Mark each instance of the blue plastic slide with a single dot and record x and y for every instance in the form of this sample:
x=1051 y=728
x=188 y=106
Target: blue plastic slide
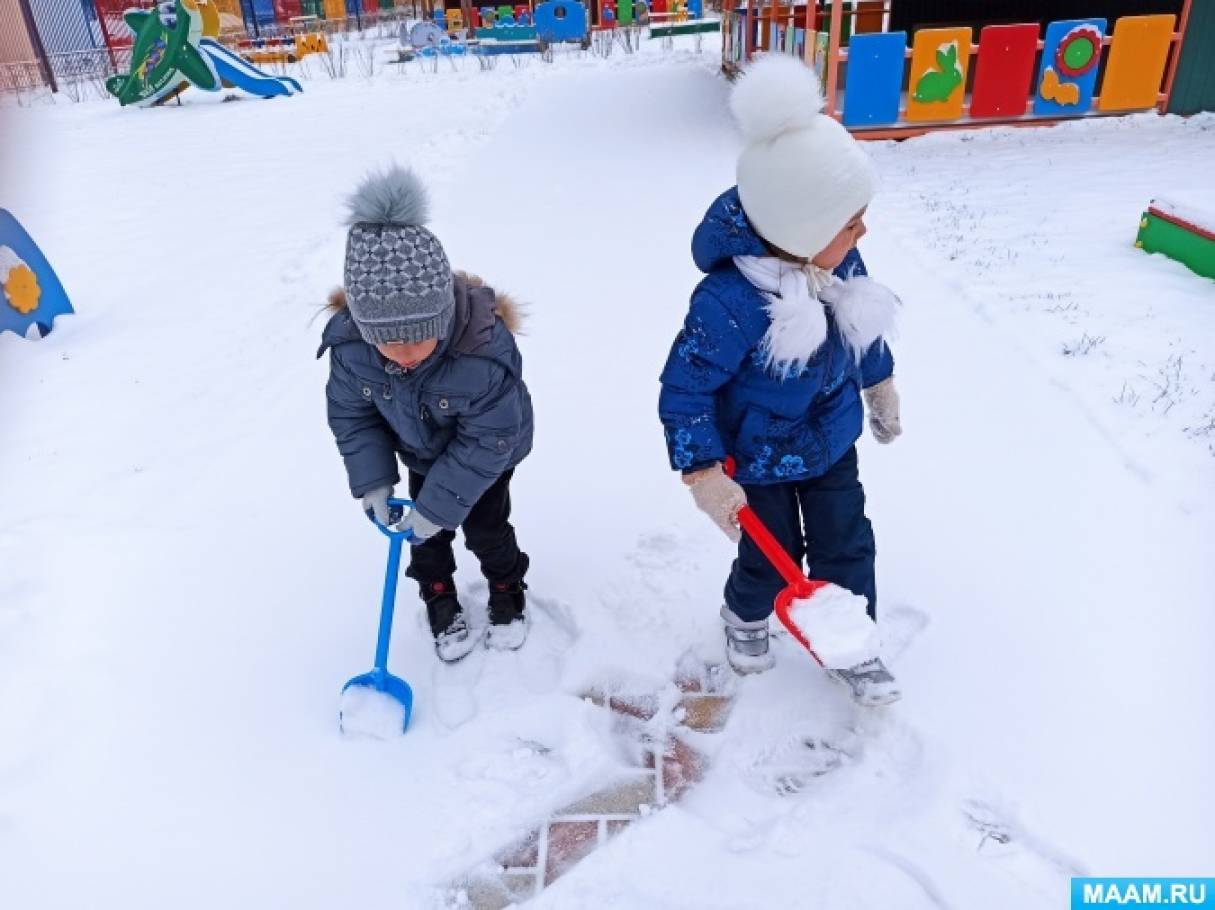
x=243 y=75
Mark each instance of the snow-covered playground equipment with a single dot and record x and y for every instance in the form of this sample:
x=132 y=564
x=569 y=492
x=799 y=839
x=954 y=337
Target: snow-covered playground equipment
x=1181 y=233
x=30 y=292
x=175 y=48
x=1019 y=73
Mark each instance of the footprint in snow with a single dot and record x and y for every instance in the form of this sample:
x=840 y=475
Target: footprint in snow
x=900 y=625
x=998 y=837
x=453 y=689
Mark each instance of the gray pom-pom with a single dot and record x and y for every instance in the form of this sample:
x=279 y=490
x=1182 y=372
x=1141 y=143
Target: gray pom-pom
x=395 y=196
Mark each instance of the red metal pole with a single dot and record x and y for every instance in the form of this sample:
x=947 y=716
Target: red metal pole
x=1163 y=106
x=105 y=33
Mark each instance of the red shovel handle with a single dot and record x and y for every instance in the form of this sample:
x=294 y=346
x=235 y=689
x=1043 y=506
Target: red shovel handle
x=770 y=546
x=790 y=571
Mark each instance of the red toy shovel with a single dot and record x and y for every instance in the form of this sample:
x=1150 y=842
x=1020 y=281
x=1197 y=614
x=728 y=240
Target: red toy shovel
x=797 y=585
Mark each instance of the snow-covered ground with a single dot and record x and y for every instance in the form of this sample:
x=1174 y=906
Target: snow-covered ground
x=185 y=583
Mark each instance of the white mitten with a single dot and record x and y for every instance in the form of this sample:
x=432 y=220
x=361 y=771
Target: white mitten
x=719 y=497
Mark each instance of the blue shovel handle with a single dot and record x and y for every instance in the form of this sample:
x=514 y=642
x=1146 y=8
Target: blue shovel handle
x=396 y=509
x=379 y=678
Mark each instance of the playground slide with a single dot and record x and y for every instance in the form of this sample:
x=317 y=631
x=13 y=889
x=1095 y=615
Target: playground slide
x=240 y=73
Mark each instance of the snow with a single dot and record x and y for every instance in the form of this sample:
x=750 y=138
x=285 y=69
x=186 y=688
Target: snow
x=834 y=621
x=365 y=711
x=1195 y=215
x=171 y=648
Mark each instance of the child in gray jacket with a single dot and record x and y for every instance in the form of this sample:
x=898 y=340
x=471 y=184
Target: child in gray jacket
x=423 y=366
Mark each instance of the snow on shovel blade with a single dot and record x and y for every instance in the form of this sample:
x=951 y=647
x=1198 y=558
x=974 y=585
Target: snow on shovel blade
x=375 y=704
x=834 y=619
x=829 y=621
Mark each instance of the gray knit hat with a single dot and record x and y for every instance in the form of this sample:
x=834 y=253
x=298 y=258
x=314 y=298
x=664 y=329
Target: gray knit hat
x=398 y=280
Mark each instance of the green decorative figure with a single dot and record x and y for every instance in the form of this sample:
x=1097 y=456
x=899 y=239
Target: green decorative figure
x=164 y=56
x=939 y=84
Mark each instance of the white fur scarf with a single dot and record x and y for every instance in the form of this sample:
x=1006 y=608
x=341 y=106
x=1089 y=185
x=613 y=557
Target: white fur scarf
x=864 y=310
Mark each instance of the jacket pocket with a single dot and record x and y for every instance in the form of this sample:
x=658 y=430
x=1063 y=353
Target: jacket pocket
x=439 y=410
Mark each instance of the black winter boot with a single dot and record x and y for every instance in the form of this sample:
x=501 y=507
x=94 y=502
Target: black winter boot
x=508 y=621
x=448 y=624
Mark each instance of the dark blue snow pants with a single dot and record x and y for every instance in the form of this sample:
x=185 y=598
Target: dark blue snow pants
x=837 y=539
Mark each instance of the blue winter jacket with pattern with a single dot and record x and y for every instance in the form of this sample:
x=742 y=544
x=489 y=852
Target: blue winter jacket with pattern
x=718 y=398
x=462 y=418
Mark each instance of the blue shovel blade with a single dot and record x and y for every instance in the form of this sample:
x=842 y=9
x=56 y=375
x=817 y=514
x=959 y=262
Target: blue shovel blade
x=392 y=686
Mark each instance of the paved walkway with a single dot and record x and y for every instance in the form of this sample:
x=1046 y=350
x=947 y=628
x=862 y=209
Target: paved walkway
x=665 y=771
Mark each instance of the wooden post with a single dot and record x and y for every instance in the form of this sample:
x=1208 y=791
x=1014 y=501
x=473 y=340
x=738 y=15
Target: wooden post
x=1163 y=105
x=833 y=54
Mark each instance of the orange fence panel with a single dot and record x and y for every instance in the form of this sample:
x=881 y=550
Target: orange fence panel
x=1135 y=68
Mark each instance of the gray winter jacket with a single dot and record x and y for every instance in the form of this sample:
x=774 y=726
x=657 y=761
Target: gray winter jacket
x=462 y=418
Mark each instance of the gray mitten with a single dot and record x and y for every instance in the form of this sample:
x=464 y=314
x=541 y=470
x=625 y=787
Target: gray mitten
x=375 y=503
x=882 y=400
x=421 y=527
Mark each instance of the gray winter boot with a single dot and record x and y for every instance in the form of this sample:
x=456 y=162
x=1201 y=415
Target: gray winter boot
x=746 y=643
x=870 y=683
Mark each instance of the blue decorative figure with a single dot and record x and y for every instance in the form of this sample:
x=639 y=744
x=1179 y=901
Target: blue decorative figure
x=525 y=18
x=30 y=292
x=696 y=9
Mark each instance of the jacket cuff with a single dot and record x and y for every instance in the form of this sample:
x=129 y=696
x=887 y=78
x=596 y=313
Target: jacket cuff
x=692 y=447
x=363 y=489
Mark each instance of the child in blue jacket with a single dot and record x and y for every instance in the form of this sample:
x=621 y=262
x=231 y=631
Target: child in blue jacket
x=783 y=338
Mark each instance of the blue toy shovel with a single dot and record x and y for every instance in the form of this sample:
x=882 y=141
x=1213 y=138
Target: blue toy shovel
x=379 y=678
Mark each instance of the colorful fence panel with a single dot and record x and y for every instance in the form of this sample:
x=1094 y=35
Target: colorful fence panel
x=875 y=79
x=1152 y=61
x=1067 y=75
x=1137 y=57
x=940 y=60
x=1004 y=71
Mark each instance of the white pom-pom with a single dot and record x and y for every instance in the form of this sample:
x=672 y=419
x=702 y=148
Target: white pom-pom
x=798 y=327
x=864 y=311
x=395 y=196
x=775 y=94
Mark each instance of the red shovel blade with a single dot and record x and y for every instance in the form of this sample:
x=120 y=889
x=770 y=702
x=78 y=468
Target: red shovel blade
x=784 y=604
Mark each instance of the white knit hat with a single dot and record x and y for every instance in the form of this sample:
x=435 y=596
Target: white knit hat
x=801 y=177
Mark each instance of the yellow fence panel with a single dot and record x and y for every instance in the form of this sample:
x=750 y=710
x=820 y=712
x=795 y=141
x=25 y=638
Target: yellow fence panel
x=1137 y=55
